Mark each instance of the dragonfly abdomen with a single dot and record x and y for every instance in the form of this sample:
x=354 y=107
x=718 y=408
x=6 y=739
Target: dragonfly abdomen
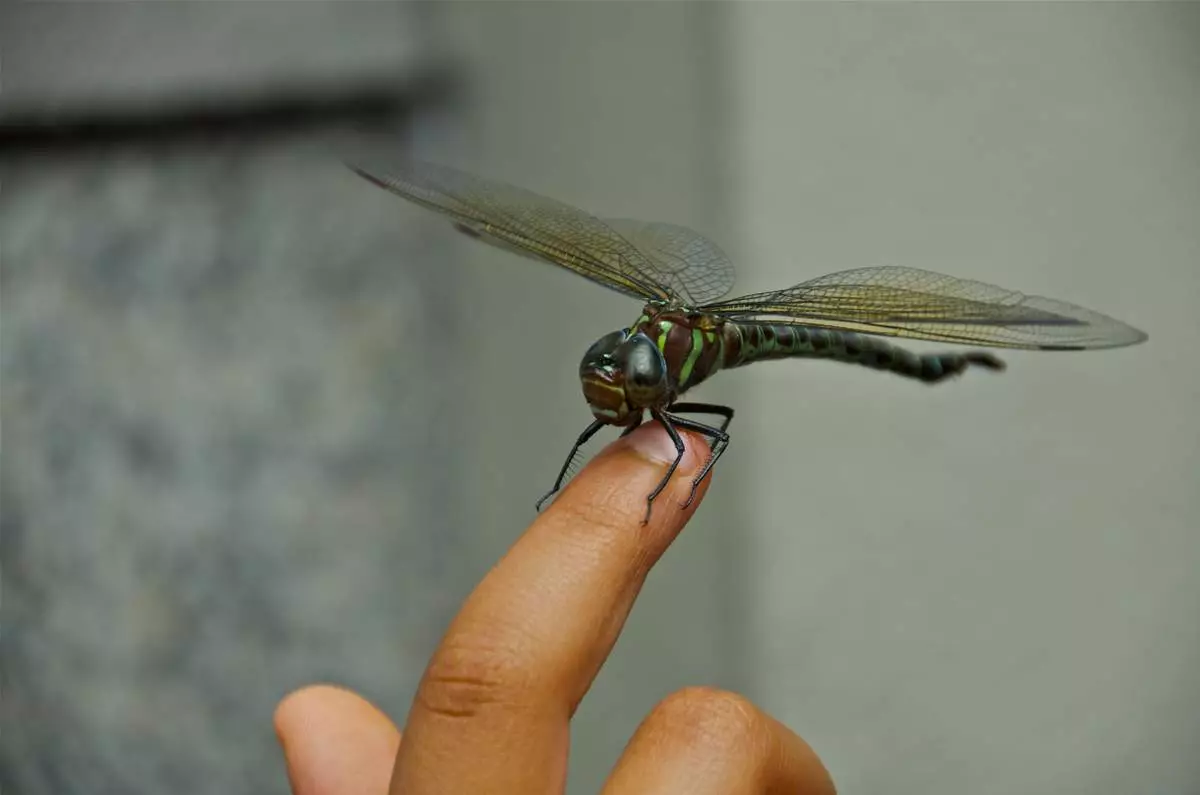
x=746 y=343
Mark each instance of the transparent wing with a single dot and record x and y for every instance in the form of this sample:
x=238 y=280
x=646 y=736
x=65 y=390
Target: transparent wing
x=524 y=222
x=690 y=263
x=907 y=302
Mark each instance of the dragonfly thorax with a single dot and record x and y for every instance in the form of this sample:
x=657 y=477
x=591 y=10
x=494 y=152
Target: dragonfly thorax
x=623 y=374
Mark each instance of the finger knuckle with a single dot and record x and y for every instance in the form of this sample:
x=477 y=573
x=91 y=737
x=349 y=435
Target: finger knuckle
x=462 y=682
x=715 y=720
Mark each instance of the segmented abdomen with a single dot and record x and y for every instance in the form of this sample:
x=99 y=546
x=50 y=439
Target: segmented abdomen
x=745 y=343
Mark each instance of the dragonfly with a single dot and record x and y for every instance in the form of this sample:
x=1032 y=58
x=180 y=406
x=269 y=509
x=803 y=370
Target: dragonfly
x=688 y=331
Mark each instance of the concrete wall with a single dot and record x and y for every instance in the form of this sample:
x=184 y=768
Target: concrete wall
x=991 y=585
x=218 y=481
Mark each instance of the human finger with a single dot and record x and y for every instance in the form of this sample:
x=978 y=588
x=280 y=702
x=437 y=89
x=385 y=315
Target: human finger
x=518 y=658
x=335 y=742
x=702 y=741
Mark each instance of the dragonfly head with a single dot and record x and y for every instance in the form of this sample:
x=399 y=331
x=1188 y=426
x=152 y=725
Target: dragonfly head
x=622 y=374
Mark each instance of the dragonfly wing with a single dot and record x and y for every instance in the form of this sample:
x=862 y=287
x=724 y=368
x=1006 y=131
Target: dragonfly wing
x=479 y=232
x=689 y=263
x=519 y=220
x=907 y=302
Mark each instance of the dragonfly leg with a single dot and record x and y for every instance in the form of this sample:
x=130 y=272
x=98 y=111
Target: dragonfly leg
x=666 y=421
x=705 y=408
x=633 y=427
x=720 y=439
x=588 y=433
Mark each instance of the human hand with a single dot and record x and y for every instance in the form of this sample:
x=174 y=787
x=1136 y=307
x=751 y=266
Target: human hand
x=492 y=712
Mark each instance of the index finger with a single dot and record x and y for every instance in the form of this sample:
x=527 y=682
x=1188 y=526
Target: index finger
x=491 y=713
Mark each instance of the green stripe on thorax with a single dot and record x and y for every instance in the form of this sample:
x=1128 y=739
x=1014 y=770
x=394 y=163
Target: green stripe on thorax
x=664 y=329
x=685 y=372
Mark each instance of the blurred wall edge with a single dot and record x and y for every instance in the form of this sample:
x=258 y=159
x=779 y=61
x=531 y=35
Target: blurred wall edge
x=267 y=425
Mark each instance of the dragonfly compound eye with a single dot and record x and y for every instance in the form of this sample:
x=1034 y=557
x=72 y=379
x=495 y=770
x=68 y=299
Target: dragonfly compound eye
x=601 y=353
x=644 y=369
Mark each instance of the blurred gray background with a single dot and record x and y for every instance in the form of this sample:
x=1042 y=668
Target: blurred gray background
x=265 y=424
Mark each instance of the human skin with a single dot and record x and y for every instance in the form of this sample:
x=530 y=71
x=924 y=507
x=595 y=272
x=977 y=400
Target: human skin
x=492 y=712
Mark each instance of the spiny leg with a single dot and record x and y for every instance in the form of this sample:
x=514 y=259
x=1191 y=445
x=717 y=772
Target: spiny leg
x=720 y=439
x=588 y=433
x=718 y=447
x=665 y=419
x=705 y=408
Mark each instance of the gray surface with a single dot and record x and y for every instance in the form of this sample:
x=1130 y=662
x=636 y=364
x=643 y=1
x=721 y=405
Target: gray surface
x=992 y=585
x=220 y=394
x=220 y=475
x=230 y=428
x=107 y=56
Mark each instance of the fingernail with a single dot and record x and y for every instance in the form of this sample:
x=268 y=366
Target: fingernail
x=651 y=442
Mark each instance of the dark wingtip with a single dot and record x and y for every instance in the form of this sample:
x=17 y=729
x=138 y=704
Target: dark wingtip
x=1062 y=348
